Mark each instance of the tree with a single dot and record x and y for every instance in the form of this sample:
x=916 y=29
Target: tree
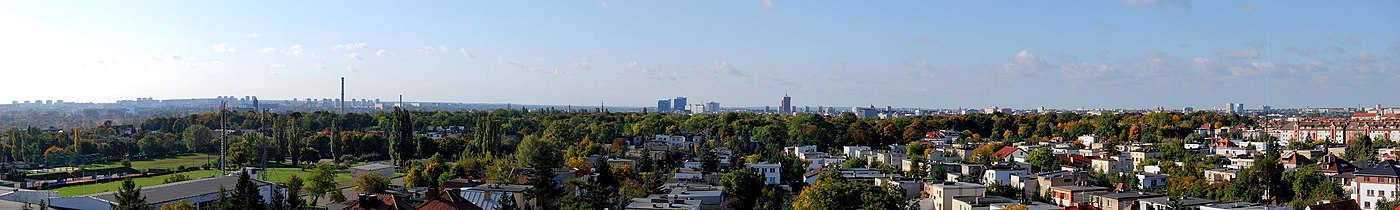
x=279 y=201
x=543 y=158
x=832 y=192
x=1387 y=204
x=246 y=194
x=129 y=197
x=709 y=162
x=197 y=138
x=1043 y=159
x=773 y=197
x=223 y=202
x=177 y=177
x=1360 y=149
x=985 y=154
x=507 y=202
x=322 y=181
x=742 y=188
x=371 y=183
x=182 y=205
x=937 y=173
x=401 y=145
x=294 y=185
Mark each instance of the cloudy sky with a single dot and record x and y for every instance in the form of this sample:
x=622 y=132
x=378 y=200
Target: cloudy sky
x=934 y=54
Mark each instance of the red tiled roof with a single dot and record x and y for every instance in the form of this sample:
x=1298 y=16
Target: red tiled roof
x=449 y=201
x=1007 y=150
x=379 y=202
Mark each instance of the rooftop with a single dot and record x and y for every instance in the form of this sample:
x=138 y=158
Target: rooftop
x=181 y=190
x=1186 y=201
x=1128 y=195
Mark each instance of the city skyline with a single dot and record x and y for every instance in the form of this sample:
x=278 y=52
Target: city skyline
x=1121 y=54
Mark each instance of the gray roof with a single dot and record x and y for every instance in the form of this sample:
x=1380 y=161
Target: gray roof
x=1186 y=201
x=983 y=201
x=181 y=190
x=1080 y=188
x=1233 y=205
x=372 y=167
x=1128 y=195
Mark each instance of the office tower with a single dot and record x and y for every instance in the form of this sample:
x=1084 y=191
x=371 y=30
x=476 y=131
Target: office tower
x=678 y=104
x=786 y=106
x=663 y=105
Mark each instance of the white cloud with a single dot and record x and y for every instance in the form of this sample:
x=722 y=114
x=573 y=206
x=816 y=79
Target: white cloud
x=224 y=48
x=294 y=50
x=767 y=4
x=277 y=66
x=351 y=68
x=579 y=63
x=361 y=45
x=1240 y=54
x=220 y=63
x=383 y=53
x=318 y=66
x=719 y=67
x=252 y=35
x=442 y=48
x=1024 y=64
x=171 y=57
x=353 y=56
x=465 y=53
x=654 y=73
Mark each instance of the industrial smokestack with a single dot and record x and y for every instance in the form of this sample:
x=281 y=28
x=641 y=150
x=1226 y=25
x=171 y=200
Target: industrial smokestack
x=342 y=94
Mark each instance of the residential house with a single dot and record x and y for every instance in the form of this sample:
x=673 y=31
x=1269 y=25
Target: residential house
x=450 y=200
x=1292 y=160
x=1011 y=153
x=1119 y=200
x=856 y=151
x=1220 y=174
x=380 y=201
x=1001 y=175
x=943 y=193
x=661 y=202
x=772 y=172
x=489 y=196
x=1242 y=206
x=1375 y=183
x=1336 y=205
x=1073 y=195
x=1140 y=155
x=1110 y=164
x=1150 y=181
x=1168 y=203
x=978 y=202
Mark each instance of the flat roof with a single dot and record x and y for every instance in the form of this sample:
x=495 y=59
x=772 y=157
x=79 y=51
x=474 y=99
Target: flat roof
x=1186 y=201
x=956 y=185
x=1079 y=188
x=983 y=201
x=1123 y=195
x=181 y=190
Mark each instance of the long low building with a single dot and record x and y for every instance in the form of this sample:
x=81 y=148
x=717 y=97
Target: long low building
x=200 y=192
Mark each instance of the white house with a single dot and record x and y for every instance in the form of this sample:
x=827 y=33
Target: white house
x=1002 y=176
x=772 y=172
x=856 y=151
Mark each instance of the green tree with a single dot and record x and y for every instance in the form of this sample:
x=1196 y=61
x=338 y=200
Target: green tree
x=246 y=194
x=322 y=181
x=937 y=173
x=197 y=138
x=508 y=202
x=294 y=185
x=182 y=205
x=129 y=197
x=177 y=177
x=543 y=157
x=1043 y=159
x=742 y=188
x=371 y=183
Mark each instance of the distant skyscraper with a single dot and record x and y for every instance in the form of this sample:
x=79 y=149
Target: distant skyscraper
x=712 y=107
x=678 y=104
x=1230 y=108
x=786 y=107
x=663 y=105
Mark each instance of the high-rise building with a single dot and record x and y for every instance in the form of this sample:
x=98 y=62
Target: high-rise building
x=1239 y=108
x=1230 y=108
x=786 y=107
x=663 y=105
x=678 y=104
x=712 y=107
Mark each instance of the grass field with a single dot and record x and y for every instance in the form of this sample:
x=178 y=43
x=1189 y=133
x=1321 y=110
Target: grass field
x=280 y=175
x=187 y=160
x=114 y=185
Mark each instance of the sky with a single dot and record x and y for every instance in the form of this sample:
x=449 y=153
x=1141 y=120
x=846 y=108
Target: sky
x=929 y=54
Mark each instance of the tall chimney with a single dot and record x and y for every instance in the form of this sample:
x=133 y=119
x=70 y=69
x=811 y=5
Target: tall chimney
x=342 y=94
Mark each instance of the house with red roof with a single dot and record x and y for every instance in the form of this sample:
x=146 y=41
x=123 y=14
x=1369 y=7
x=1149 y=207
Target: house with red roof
x=1011 y=153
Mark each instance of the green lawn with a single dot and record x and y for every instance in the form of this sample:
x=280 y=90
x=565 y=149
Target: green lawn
x=187 y=160
x=280 y=175
x=114 y=185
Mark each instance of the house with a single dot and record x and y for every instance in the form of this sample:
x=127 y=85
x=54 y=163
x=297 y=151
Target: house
x=489 y=196
x=661 y=202
x=1333 y=165
x=1242 y=206
x=689 y=174
x=942 y=194
x=386 y=171
x=978 y=202
x=1073 y=195
x=856 y=151
x=1119 y=200
x=381 y=201
x=1220 y=174
x=1109 y=164
x=1029 y=206
x=911 y=187
x=1167 y=203
x=1375 y=183
x=1140 y=155
x=705 y=193
x=1150 y=181
x=798 y=150
x=200 y=192
x=1336 y=205
x=1291 y=160
x=1011 y=153
x=1042 y=182
x=1074 y=160
x=1002 y=175
x=772 y=172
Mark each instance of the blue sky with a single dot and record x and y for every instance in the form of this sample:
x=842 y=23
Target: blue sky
x=933 y=54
